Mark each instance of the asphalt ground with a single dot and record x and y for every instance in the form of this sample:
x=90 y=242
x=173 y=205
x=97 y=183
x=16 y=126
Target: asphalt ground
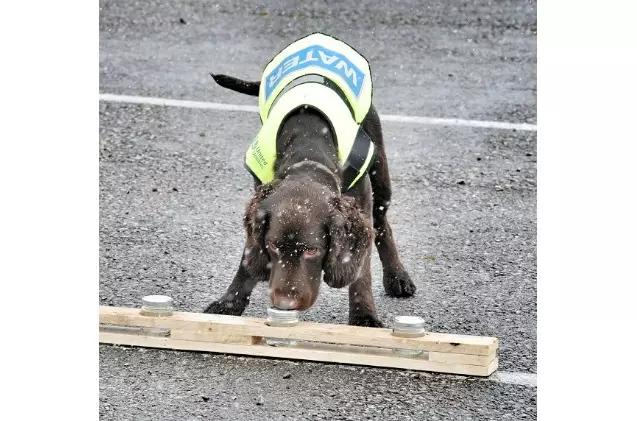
x=173 y=188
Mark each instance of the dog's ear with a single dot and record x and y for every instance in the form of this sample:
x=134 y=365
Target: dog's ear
x=255 y=221
x=350 y=240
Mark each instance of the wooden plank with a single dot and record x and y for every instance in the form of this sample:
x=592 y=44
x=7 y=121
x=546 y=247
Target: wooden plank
x=218 y=337
x=441 y=357
x=305 y=351
x=451 y=358
x=317 y=332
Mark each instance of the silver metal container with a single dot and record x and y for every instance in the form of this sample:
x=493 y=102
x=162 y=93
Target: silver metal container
x=408 y=327
x=156 y=306
x=281 y=318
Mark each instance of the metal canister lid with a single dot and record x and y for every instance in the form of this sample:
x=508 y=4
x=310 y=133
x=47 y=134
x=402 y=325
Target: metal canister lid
x=157 y=305
x=278 y=317
x=412 y=326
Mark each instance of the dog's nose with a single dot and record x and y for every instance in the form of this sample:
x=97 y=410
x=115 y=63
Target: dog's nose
x=284 y=302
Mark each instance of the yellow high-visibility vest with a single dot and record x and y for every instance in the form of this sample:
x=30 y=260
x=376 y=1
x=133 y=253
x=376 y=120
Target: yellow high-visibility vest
x=324 y=73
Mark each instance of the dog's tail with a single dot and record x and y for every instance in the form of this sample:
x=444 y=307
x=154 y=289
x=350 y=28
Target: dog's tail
x=238 y=85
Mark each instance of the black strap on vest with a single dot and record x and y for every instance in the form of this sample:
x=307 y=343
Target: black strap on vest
x=356 y=159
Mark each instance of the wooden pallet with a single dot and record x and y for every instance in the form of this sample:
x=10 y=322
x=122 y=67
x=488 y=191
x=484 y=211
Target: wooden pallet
x=334 y=343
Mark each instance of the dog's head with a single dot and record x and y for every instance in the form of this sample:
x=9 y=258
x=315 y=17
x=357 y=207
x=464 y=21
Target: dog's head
x=297 y=231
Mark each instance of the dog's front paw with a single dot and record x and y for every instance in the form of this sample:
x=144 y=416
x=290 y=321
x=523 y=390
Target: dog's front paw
x=365 y=320
x=399 y=285
x=231 y=308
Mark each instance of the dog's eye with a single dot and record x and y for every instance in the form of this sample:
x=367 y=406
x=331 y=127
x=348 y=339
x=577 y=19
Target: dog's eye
x=273 y=247
x=309 y=252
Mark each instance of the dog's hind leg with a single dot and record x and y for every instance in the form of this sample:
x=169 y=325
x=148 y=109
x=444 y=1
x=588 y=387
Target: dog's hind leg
x=396 y=280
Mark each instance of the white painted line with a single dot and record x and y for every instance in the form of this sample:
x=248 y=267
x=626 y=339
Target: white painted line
x=459 y=122
x=517 y=378
x=184 y=103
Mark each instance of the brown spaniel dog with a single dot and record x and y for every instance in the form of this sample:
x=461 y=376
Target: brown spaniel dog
x=302 y=225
